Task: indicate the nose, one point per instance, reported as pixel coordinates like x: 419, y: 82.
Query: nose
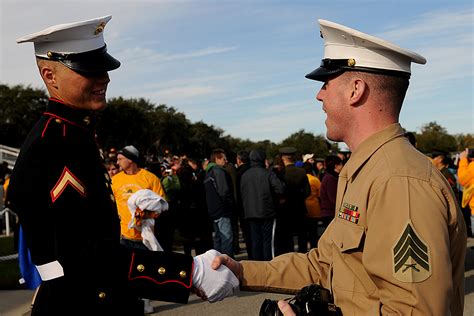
x: 103, y: 77
x: 319, y: 96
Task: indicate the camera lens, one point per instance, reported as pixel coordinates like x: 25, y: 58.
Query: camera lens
x: 269, y: 308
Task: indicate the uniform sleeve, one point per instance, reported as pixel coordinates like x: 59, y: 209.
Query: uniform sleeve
x: 36, y: 190
x: 414, y: 248
x: 290, y: 272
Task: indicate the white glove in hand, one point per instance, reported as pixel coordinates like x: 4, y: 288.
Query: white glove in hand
x: 216, y: 284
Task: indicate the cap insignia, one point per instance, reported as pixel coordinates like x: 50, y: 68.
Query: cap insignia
x: 351, y: 62
x: 411, y: 257
x: 100, y: 28
x: 49, y: 54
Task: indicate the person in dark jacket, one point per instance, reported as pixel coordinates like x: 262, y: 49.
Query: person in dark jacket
x: 220, y: 201
x: 243, y: 164
x: 327, y: 195
x: 260, y: 187
x: 195, y: 224
x: 293, y: 211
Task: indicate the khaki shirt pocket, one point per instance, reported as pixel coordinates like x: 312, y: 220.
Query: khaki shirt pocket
x: 347, y: 266
x: 346, y: 236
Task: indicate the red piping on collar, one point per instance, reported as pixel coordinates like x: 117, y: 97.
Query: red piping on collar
x: 46, y: 127
x: 62, y: 118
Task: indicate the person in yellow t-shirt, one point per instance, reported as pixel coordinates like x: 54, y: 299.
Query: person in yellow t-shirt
x: 466, y: 180
x: 312, y: 206
x: 129, y: 180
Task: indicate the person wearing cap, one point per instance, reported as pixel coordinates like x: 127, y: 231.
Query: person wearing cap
x: 398, y: 241
x: 291, y: 220
x: 59, y: 177
x: 129, y: 180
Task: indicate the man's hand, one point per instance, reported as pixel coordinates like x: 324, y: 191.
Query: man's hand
x: 285, y: 308
x: 230, y: 263
x: 464, y: 153
x: 213, y: 284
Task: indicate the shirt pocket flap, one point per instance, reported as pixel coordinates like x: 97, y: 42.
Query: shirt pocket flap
x: 348, y: 236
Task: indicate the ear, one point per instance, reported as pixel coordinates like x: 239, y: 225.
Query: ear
x: 359, y: 88
x: 48, y: 75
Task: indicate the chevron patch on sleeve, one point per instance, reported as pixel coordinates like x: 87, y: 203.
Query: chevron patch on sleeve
x: 411, y: 257
x: 66, y: 179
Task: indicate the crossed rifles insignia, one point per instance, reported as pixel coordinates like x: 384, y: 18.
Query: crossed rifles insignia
x: 411, y: 257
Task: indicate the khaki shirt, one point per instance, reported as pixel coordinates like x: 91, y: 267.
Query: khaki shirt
x: 397, y: 243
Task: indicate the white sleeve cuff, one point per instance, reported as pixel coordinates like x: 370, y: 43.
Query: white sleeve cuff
x: 50, y: 270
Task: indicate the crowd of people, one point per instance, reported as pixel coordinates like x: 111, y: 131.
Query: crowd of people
x: 279, y: 205
x: 395, y: 244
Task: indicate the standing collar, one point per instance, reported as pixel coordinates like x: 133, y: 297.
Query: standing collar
x: 368, y: 147
x: 82, y: 118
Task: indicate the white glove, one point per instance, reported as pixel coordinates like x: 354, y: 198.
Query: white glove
x: 216, y: 284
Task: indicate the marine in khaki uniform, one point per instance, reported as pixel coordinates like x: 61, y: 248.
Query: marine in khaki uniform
x: 397, y: 243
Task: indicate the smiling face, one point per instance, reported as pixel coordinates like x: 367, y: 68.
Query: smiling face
x: 82, y: 91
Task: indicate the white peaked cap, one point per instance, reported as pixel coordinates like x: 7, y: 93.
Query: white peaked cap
x: 78, y: 45
x: 349, y: 49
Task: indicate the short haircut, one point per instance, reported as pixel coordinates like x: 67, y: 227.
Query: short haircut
x: 217, y: 153
x: 243, y: 155
x: 394, y: 88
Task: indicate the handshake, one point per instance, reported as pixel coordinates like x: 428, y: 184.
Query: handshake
x: 210, y: 283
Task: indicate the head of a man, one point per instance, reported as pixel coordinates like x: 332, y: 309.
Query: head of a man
x: 73, y: 62
x: 441, y: 160
x: 218, y: 157
x: 86, y: 91
x: 365, y: 80
x: 127, y: 159
x: 242, y: 157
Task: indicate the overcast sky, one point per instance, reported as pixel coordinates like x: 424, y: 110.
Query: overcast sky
x: 240, y: 65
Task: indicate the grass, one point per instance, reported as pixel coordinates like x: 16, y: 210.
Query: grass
x: 9, y: 270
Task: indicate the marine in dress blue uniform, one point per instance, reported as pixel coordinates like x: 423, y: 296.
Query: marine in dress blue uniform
x: 62, y: 195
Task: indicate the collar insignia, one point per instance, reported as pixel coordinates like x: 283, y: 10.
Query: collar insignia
x: 411, y: 257
x: 349, y: 212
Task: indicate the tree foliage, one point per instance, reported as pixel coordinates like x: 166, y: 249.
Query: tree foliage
x: 156, y: 128
x: 434, y: 137
x: 20, y: 108
x: 308, y: 143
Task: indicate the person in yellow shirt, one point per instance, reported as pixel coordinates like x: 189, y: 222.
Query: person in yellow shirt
x: 312, y: 206
x: 129, y: 180
x: 466, y: 179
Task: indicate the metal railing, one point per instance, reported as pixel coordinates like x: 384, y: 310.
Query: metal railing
x: 9, y: 154
x: 6, y: 212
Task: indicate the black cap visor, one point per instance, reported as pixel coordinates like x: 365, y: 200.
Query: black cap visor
x: 94, y: 61
x: 323, y: 74
x: 331, y: 68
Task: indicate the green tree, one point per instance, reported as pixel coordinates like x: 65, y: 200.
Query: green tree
x: 20, y: 108
x: 434, y: 137
x: 306, y: 142
x: 464, y: 141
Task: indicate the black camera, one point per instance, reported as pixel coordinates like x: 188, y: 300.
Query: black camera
x: 310, y: 300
